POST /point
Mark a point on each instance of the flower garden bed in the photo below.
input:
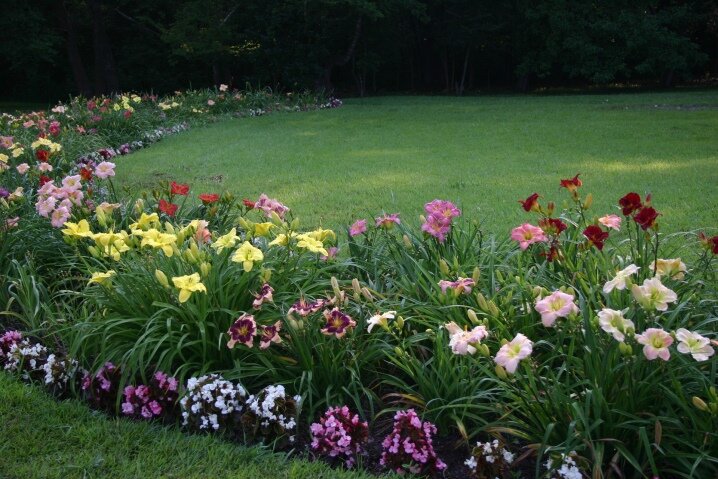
(581, 346)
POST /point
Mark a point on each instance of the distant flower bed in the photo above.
(578, 345)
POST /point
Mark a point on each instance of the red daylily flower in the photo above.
(179, 189)
(710, 244)
(44, 179)
(42, 155)
(168, 208)
(530, 203)
(646, 217)
(552, 226)
(596, 236)
(571, 184)
(86, 174)
(630, 203)
(248, 203)
(208, 198)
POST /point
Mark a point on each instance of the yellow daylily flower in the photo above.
(17, 152)
(247, 255)
(156, 239)
(4, 158)
(282, 239)
(262, 229)
(226, 241)
(146, 221)
(322, 234)
(311, 244)
(187, 285)
(101, 278)
(80, 229)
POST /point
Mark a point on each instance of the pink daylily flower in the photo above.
(528, 234)
(556, 305)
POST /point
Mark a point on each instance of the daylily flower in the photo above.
(710, 244)
(556, 305)
(156, 239)
(269, 205)
(168, 208)
(247, 255)
(672, 268)
(357, 228)
(80, 229)
(59, 217)
(653, 295)
(187, 285)
(263, 229)
(309, 243)
(461, 285)
(270, 334)
(464, 342)
(105, 170)
(380, 319)
(552, 226)
(22, 168)
(226, 241)
(655, 343)
(514, 352)
(264, 296)
(242, 331)
(208, 198)
(596, 236)
(387, 221)
(331, 254)
(630, 203)
(442, 209)
(438, 227)
(305, 308)
(337, 323)
(611, 221)
(322, 235)
(646, 217)
(179, 189)
(613, 322)
(530, 203)
(146, 221)
(528, 234)
(619, 281)
(571, 184)
(101, 278)
(694, 344)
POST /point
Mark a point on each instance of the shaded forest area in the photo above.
(51, 49)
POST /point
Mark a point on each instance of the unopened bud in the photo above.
(483, 350)
(443, 267)
(356, 286)
(398, 351)
(276, 219)
(476, 275)
(699, 403)
(422, 218)
(266, 274)
(93, 251)
(335, 286)
(139, 206)
(407, 242)
(482, 302)
(625, 349)
(205, 268)
(588, 202)
(493, 309)
(162, 278)
(500, 372)
(295, 224)
(367, 295)
(399, 322)
(472, 316)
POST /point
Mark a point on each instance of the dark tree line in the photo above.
(50, 48)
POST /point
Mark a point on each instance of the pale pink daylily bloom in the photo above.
(653, 295)
(613, 322)
(22, 168)
(59, 217)
(210, 102)
(511, 354)
(46, 206)
(655, 343)
(528, 234)
(44, 167)
(619, 281)
(611, 221)
(461, 285)
(73, 182)
(464, 342)
(105, 170)
(669, 268)
(556, 305)
(223, 87)
(694, 344)
(357, 228)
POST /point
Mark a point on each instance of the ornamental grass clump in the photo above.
(272, 414)
(211, 403)
(409, 447)
(340, 434)
(149, 401)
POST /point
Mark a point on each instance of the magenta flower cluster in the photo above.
(340, 434)
(441, 214)
(7, 340)
(409, 447)
(103, 387)
(148, 401)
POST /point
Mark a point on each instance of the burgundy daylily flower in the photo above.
(596, 236)
(571, 184)
(552, 226)
(646, 217)
(337, 323)
(242, 331)
(270, 334)
(264, 296)
(304, 308)
(530, 203)
(630, 203)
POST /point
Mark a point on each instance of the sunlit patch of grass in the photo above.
(396, 153)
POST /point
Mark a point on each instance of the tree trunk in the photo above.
(324, 82)
(460, 88)
(73, 53)
(105, 73)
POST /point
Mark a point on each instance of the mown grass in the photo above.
(396, 153)
(45, 439)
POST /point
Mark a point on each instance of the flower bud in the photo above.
(699, 403)
(493, 309)
(500, 372)
(93, 251)
(293, 323)
(295, 224)
(399, 322)
(398, 351)
(139, 206)
(276, 219)
(205, 268)
(625, 349)
(162, 278)
(472, 316)
(407, 242)
(588, 202)
(356, 286)
(482, 302)
(169, 228)
(476, 275)
(367, 295)
(335, 286)
(483, 350)
(422, 218)
(443, 267)
(265, 274)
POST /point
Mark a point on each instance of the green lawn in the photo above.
(396, 153)
(41, 438)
